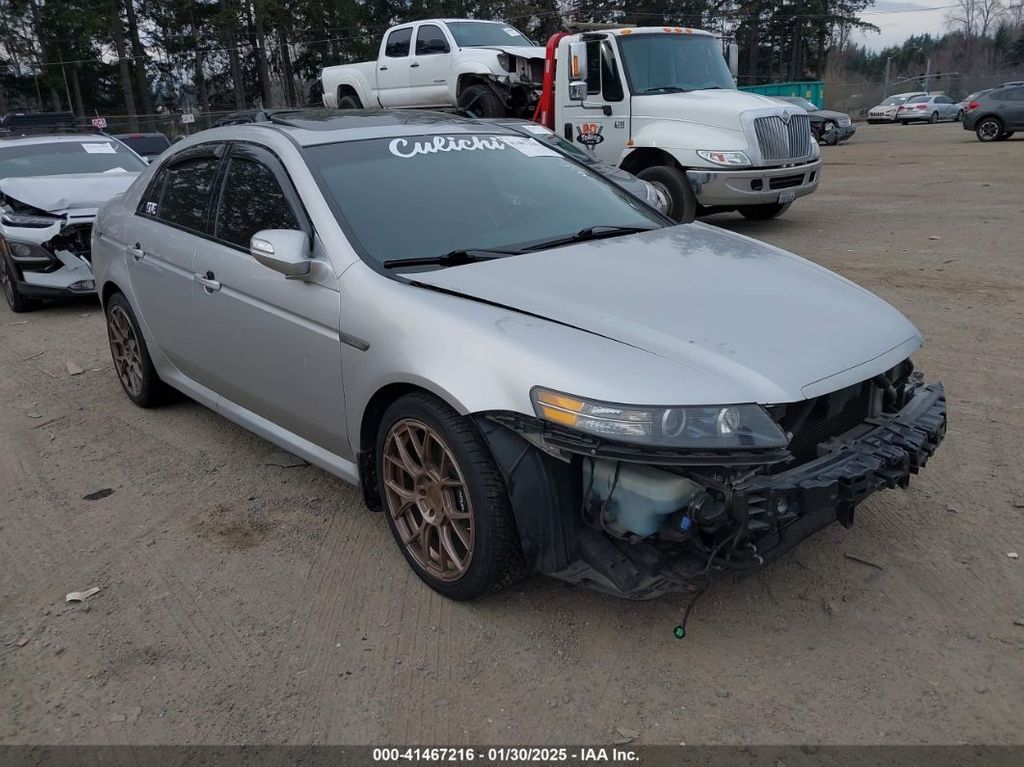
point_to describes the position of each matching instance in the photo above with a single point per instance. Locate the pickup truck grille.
(783, 141)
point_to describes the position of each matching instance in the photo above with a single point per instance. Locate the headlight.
(693, 427)
(723, 158)
(35, 222)
(505, 62)
(656, 198)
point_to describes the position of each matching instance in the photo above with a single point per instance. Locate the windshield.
(468, 34)
(673, 63)
(425, 196)
(93, 155)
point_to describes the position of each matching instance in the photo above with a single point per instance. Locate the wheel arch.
(647, 157)
(346, 89)
(369, 423)
(109, 288)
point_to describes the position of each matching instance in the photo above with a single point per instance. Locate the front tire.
(445, 499)
(672, 182)
(132, 362)
(9, 285)
(764, 212)
(480, 101)
(988, 129)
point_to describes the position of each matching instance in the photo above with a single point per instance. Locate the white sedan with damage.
(50, 190)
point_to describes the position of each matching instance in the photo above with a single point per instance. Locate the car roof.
(43, 138)
(310, 127)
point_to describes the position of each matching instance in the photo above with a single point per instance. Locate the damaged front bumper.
(738, 523)
(51, 262)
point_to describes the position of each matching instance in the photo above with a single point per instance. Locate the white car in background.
(51, 187)
(886, 111)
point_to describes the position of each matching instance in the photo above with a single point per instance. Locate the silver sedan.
(522, 365)
(932, 109)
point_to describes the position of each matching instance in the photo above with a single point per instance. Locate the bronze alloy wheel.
(124, 347)
(428, 500)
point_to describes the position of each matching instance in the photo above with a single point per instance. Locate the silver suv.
(522, 365)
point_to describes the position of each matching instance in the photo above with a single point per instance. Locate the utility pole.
(885, 90)
(927, 74)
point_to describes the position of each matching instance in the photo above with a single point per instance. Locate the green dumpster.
(812, 90)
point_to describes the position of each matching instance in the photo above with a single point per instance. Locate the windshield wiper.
(451, 258)
(664, 89)
(590, 233)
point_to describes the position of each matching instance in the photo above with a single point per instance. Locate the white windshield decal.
(99, 149)
(530, 147)
(405, 149)
(510, 32)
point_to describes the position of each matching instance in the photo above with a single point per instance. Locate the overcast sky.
(899, 19)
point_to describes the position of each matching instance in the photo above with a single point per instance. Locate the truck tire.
(480, 101)
(672, 182)
(764, 212)
(349, 101)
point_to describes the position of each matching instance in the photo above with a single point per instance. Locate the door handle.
(137, 252)
(413, 65)
(383, 69)
(208, 282)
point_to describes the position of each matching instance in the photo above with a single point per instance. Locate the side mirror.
(283, 250)
(577, 61)
(577, 90)
(733, 57)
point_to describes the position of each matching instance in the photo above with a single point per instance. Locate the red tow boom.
(545, 111)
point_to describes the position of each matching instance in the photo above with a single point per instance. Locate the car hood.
(774, 326)
(718, 108)
(55, 194)
(828, 114)
(522, 51)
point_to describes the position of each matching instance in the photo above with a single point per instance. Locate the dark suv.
(994, 116)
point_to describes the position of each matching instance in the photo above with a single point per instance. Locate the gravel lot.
(245, 602)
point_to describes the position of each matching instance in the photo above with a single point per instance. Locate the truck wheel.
(988, 129)
(480, 101)
(9, 285)
(673, 184)
(764, 212)
(445, 499)
(348, 101)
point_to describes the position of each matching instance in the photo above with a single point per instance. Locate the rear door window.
(180, 193)
(252, 200)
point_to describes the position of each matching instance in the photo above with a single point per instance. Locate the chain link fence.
(856, 96)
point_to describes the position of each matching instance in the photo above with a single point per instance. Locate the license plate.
(786, 197)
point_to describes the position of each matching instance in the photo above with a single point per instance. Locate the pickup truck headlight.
(719, 157)
(692, 427)
(505, 62)
(28, 221)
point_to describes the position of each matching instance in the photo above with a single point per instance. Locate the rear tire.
(9, 285)
(960, 116)
(445, 500)
(988, 129)
(672, 182)
(480, 101)
(348, 101)
(132, 363)
(934, 118)
(764, 212)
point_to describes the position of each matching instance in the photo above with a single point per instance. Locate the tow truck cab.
(662, 103)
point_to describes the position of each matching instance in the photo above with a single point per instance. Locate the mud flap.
(544, 491)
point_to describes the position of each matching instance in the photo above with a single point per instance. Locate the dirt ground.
(244, 602)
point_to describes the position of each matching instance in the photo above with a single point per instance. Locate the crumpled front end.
(50, 252)
(638, 522)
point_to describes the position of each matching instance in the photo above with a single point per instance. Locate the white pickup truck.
(658, 102)
(484, 67)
